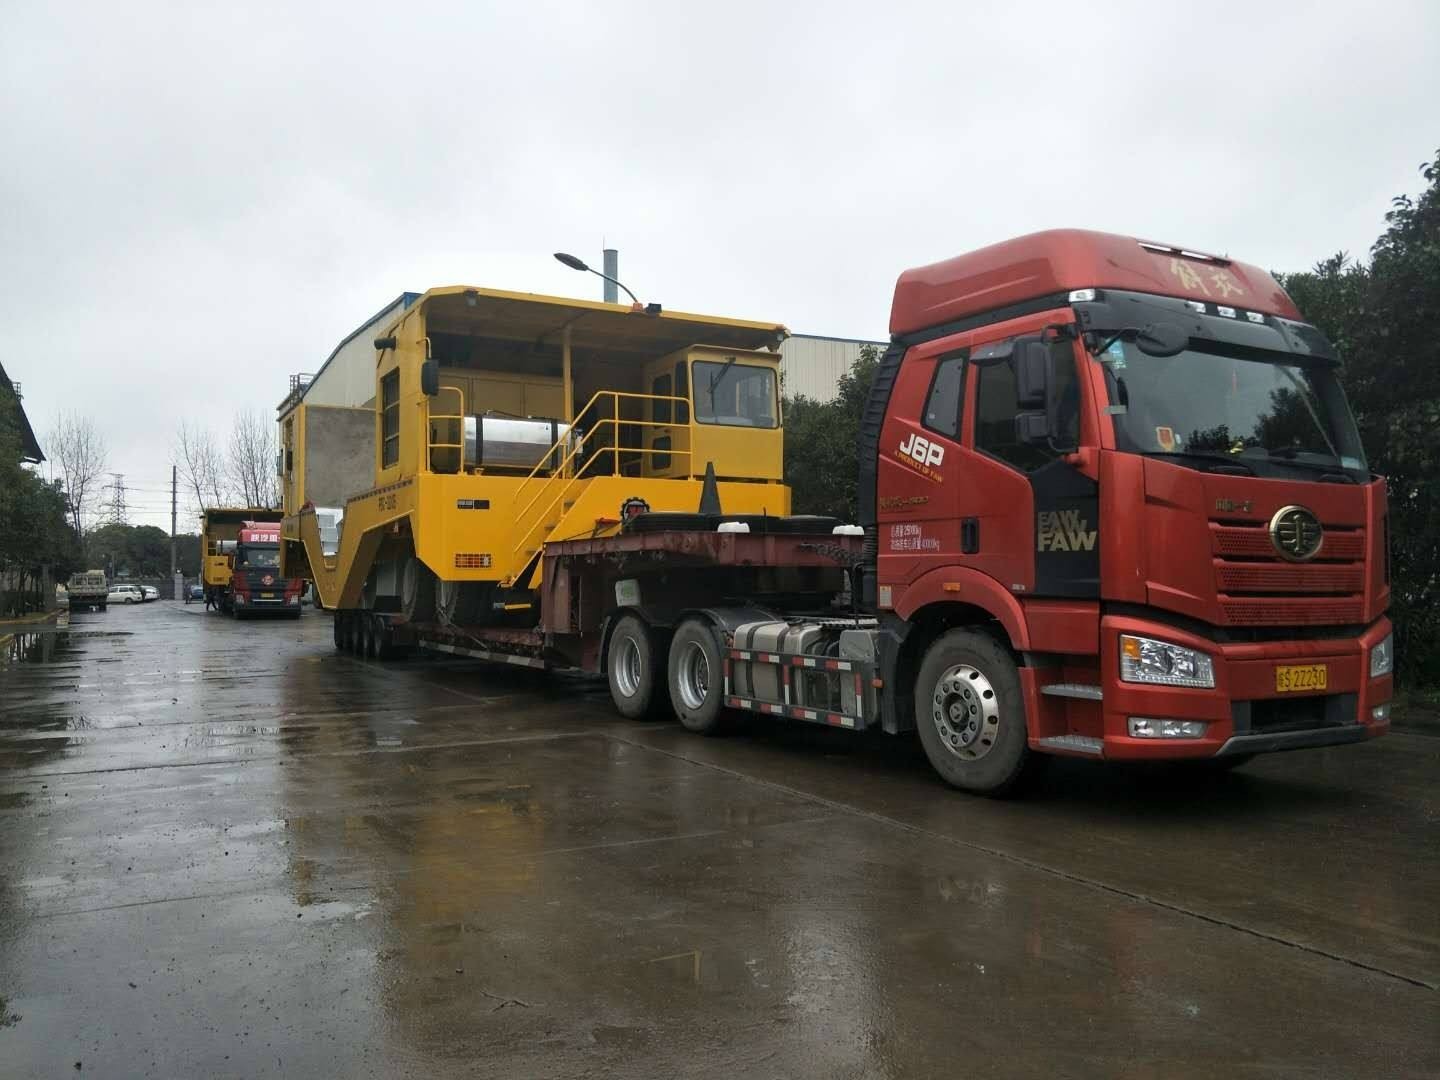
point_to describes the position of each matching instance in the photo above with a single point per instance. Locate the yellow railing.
(459, 420)
(561, 479)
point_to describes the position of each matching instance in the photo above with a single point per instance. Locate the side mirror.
(430, 378)
(1162, 339)
(1032, 373)
(1032, 429)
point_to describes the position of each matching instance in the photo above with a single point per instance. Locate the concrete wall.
(812, 366)
(339, 453)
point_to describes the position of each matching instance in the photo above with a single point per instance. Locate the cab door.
(666, 436)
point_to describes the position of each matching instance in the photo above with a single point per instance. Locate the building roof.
(1058, 261)
(29, 445)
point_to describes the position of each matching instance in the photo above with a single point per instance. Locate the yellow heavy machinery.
(504, 421)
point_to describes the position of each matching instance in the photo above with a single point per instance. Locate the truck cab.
(1132, 467)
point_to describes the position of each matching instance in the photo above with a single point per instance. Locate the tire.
(129, 599)
(101, 606)
(417, 591)
(666, 520)
(970, 713)
(379, 638)
(338, 632)
(696, 680)
(635, 669)
(353, 639)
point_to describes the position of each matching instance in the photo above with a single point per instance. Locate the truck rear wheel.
(971, 714)
(697, 683)
(635, 669)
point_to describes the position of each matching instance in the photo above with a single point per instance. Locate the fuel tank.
(511, 442)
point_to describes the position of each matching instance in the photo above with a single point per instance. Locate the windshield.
(740, 395)
(258, 557)
(1245, 409)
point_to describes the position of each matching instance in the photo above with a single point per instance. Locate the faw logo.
(923, 450)
(1063, 530)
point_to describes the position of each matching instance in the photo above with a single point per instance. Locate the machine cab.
(710, 406)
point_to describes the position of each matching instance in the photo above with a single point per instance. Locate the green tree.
(822, 442)
(34, 535)
(1382, 317)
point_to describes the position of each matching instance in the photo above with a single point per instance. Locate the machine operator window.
(390, 419)
(942, 407)
(738, 395)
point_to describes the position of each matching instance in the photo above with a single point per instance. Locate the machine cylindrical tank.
(512, 442)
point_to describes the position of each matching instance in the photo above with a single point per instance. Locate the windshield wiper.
(1289, 455)
(1229, 463)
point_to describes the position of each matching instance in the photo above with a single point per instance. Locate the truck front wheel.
(634, 668)
(971, 714)
(697, 684)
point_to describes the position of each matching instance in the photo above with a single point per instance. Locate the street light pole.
(579, 264)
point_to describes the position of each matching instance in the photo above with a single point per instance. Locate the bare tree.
(78, 454)
(201, 464)
(250, 463)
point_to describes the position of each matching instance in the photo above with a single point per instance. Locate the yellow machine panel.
(504, 420)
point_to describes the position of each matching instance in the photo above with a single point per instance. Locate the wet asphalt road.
(225, 850)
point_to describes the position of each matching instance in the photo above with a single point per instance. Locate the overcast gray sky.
(198, 199)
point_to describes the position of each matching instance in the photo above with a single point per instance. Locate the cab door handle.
(969, 536)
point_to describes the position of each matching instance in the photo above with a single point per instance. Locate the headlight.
(1382, 657)
(1145, 660)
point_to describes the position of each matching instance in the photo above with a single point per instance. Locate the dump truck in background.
(88, 589)
(240, 563)
(1113, 506)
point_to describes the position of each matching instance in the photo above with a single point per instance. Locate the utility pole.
(174, 475)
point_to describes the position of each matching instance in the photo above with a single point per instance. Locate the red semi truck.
(1113, 506)
(241, 570)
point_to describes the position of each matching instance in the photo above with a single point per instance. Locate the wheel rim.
(966, 712)
(693, 675)
(627, 667)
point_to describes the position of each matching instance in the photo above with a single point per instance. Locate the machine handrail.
(431, 447)
(563, 471)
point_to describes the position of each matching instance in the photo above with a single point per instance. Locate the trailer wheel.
(696, 678)
(634, 666)
(971, 714)
(353, 640)
(338, 631)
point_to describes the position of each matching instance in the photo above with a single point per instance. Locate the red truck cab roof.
(1058, 261)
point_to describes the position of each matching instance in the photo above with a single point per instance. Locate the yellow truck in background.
(240, 562)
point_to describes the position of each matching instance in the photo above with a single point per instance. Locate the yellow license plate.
(267, 596)
(1294, 678)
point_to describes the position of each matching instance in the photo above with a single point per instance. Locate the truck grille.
(1256, 587)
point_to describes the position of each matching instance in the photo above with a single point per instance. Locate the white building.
(811, 366)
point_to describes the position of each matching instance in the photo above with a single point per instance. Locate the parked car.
(126, 594)
(194, 592)
(151, 592)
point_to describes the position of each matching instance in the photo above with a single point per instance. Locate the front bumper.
(1243, 713)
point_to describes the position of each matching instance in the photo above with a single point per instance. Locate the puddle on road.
(35, 647)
